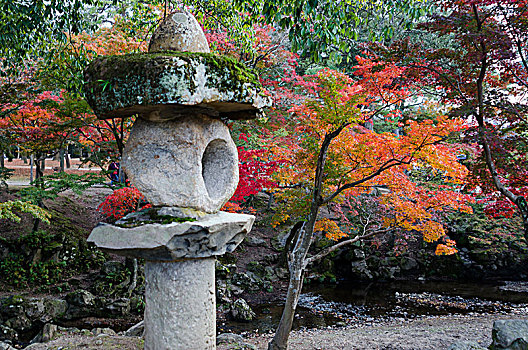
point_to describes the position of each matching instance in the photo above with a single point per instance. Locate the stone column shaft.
(180, 311)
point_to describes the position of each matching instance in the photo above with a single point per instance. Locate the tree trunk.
(302, 242)
(61, 160)
(280, 340)
(523, 208)
(519, 201)
(132, 266)
(31, 164)
(67, 156)
(40, 165)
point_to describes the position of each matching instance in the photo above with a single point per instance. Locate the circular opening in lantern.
(218, 161)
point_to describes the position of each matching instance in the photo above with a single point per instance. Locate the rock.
(180, 32)
(466, 346)
(206, 173)
(80, 297)
(408, 264)
(19, 323)
(12, 306)
(35, 309)
(103, 331)
(119, 307)
(361, 270)
(246, 282)
(282, 273)
(46, 334)
(270, 273)
(359, 254)
(236, 290)
(6, 346)
(234, 339)
(510, 334)
(136, 330)
(7, 333)
(223, 293)
(271, 259)
(515, 286)
(211, 235)
(389, 272)
(257, 269)
(112, 268)
(247, 346)
(46, 309)
(137, 304)
(255, 241)
(81, 303)
(240, 311)
(229, 338)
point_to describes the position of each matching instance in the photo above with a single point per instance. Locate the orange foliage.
(359, 159)
(330, 229)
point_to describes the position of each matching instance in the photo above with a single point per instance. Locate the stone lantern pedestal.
(180, 311)
(181, 157)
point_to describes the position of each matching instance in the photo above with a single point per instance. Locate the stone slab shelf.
(206, 236)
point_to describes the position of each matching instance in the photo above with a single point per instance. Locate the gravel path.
(421, 334)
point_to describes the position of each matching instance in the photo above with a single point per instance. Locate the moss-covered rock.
(161, 86)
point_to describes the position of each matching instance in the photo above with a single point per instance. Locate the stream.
(348, 303)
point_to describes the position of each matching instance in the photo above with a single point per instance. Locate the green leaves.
(331, 29)
(8, 211)
(48, 187)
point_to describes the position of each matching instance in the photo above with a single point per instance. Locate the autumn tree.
(330, 156)
(480, 70)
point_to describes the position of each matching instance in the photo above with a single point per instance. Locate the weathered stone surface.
(47, 333)
(179, 31)
(119, 307)
(229, 338)
(510, 334)
(101, 331)
(189, 162)
(6, 346)
(180, 305)
(237, 341)
(136, 330)
(212, 235)
(112, 268)
(80, 297)
(361, 270)
(162, 86)
(240, 311)
(255, 241)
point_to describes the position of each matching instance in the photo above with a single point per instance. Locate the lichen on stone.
(170, 82)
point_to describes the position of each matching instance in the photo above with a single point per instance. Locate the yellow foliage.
(330, 229)
(446, 249)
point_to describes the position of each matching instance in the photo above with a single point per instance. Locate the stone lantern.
(182, 159)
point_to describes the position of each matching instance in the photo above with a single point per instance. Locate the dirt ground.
(22, 169)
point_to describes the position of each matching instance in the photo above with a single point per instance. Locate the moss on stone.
(122, 64)
(150, 216)
(121, 83)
